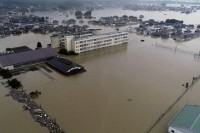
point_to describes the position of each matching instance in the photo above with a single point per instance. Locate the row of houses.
(162, 7)
(170, 28)
(116, 21)
(17, 24)
(88, 41)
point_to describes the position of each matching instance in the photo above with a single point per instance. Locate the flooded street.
(125, 89)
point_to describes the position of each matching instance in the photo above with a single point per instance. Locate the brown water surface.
(125, 89)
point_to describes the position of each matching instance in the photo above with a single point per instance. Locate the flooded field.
(125, 89)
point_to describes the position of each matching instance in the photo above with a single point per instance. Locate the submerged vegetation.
(35, 94)
(64, 51)
(14, 83)
(78, 14)
(88, 14)
(5, 73)
(39, 45)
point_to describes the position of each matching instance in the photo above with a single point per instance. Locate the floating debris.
(129, 99)
(36, 111)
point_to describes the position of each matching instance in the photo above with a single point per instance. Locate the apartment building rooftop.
(100, 35)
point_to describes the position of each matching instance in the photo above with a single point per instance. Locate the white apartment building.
(89, 43)
(59, 40)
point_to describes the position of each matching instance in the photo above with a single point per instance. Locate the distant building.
(163, 4)
(21, 59)
(88, 43)
(186, 121)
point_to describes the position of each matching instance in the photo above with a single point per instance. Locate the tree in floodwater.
(125, 17)
(14, 83)
(35, 94)
(88, 14)
(42, 19)
(39, 45)
(5, 73)
(78, 14)
(64, 51)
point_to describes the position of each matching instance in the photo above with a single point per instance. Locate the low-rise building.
(21, 59)
(65, 66)
(186, 121)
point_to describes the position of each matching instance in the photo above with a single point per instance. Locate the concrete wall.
(9, 67)
(68, 42)
(55, 42)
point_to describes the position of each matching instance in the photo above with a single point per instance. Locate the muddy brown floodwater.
(125, 89)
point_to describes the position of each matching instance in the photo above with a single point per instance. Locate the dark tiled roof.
(21, 49)
(65, 66)
(27, 56)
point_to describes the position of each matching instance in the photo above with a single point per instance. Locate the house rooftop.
(188, 119)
